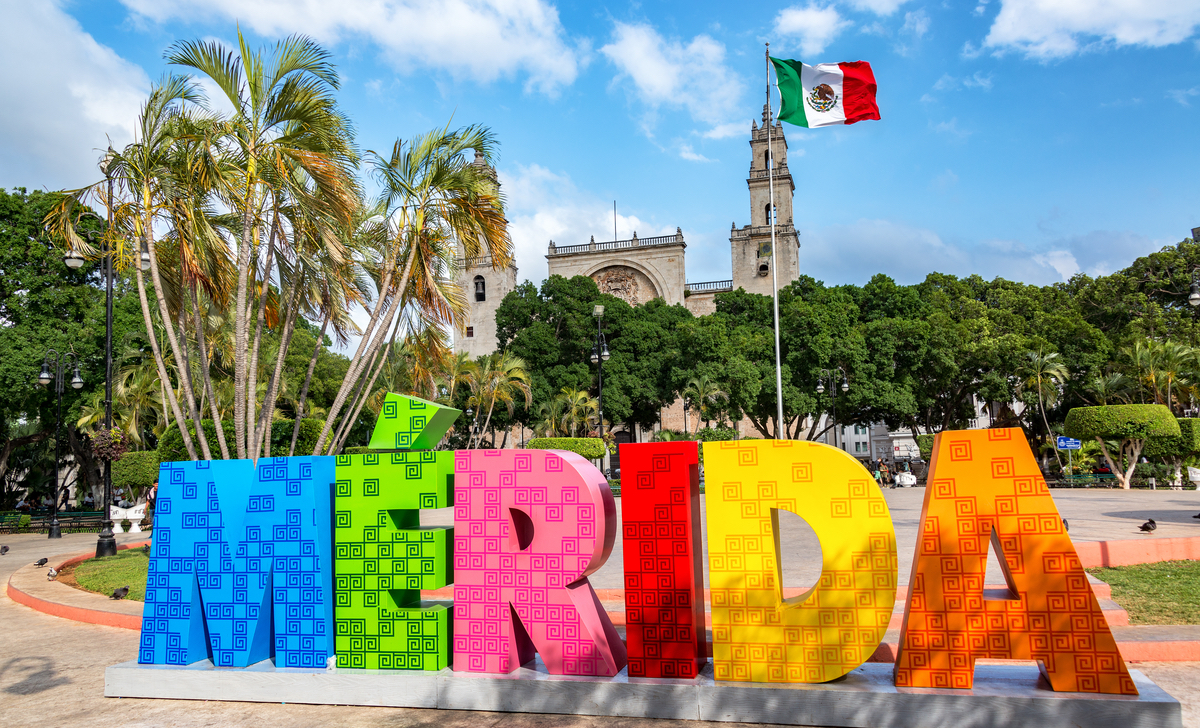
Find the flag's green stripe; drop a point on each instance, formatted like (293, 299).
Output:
(791, 92)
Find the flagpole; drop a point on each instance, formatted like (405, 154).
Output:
(780, 431)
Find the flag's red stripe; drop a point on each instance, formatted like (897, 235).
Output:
(858, 92)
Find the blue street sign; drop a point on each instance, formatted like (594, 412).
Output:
(1069, 443)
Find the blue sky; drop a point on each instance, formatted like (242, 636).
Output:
(1029, 139)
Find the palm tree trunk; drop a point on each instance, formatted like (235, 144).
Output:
(206, 373)
(273, 386)
(252, 442)
(1049, 434)
(168, 391)
(312, 365)
(185, 378)
(356, 368)
(362, 400)
(239, 322)
(347, 422)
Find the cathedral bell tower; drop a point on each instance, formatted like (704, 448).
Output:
(485, 287)
(751, 267)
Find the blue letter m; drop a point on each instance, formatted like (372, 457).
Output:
(239, 552)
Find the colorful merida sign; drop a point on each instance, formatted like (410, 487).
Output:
(307, 558)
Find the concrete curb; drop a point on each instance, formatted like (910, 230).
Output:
(1137, 551)
(73, 612)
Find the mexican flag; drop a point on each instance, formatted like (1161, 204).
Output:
(825, 94)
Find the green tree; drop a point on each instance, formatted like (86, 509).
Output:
(1132, 425)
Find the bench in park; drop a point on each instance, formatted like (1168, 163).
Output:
(1087, 480)
(11, 521)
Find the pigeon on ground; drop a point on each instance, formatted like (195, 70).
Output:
(1066, 527)
(52, 574)
(3, 550)
(120, 593)
(146, 549)
(1196, 516)
(1149, 526)
(41, 562)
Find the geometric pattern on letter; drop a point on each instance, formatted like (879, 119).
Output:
(383, 560)
(410, 423)
(834, 627)
(529, 526)
(664, 579)
(985, 486)
(242, 541)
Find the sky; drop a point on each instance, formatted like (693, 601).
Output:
(1027, 139)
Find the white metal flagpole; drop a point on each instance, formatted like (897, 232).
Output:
(780, 430)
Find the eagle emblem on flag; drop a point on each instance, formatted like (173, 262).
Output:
(822, 98)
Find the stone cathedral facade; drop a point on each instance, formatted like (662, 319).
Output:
(639, 270)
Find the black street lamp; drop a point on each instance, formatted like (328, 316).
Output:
(831, 376)
(55, 375)
(599, 356)
(1194, 295)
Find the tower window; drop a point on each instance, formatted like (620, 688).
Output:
(470, 332)
(767, 213)
(764, 269)
(766, 159)
(480, 289)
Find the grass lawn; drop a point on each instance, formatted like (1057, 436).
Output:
(1164, 593)
(127, 568)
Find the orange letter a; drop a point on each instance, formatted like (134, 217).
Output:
(985, 485)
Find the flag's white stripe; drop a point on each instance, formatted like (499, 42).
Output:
(813, 76)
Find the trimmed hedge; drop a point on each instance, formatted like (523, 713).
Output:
(1121, 422)
(1187, 444)
(925, 443)
(171, 449)
(591, 448)
(136, 471)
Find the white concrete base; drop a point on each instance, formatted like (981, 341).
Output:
(1008, 695)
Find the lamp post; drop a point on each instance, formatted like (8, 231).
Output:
(1194, 295)
(831, 376)
(599, 356)
(47, 376)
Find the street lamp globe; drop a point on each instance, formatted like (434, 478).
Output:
(845, 386)
(604, 354)
(44, 377)
(73, 259)
(595, 358)
(820, 387)
(1194, 296)
(77, 381)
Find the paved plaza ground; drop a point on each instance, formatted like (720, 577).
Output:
(52, 669)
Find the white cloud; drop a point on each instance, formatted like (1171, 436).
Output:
(978, 80)
(65, 96)
(668, 73)
(916, 23)
(814, 26)
(686, 151)
(879, 7)
(724, 131)
(544, 206)
(481, 40)
(1047, 29)
(836, 254)
(1182, 95)
(1060, 260)
(950, 128)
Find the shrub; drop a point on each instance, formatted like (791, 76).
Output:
(591, 448)
(171, 449)
(357, 450)
(136, 471)
(1182, 446)
(1121, 422)
(716, 434)
(925, 443)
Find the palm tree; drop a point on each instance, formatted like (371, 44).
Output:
(1045, 373)
(501, 377)
(704, 394)
(287, 141)
(432, 200)
(1110, 389)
